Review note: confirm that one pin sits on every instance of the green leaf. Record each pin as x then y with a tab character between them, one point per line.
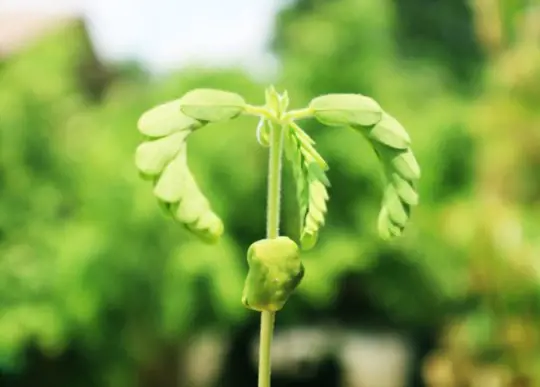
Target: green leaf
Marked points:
151	157
406	165
395	208
311	183
387	229
405	190
390	133
346	110
402	162
165	119
391	143
193	209
164	161
275	271
263	132
169	187
212	105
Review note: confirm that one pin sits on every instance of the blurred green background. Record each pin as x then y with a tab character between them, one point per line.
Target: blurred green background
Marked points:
98	288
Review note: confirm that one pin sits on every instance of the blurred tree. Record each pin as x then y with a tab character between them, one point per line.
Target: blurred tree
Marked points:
88	262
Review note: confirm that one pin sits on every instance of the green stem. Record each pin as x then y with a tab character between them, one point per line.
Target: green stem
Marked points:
298	114
272	231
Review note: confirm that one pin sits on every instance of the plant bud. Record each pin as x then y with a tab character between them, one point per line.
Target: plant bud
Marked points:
275	270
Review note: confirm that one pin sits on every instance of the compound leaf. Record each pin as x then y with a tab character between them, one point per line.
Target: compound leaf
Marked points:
311	182
164	161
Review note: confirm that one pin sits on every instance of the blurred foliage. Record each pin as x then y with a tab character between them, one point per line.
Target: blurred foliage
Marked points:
89	264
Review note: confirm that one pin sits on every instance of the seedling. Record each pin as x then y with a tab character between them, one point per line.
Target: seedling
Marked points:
275	267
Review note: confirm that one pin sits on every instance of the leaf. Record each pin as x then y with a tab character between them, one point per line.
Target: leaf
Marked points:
263	132
151	157
169	187
164	161
406	165
311	182
391	142
387	229
346	110
390	132
212	105
405	189
194	211
165	119
396	209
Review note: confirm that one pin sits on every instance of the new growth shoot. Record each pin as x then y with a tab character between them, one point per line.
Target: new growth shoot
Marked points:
275	267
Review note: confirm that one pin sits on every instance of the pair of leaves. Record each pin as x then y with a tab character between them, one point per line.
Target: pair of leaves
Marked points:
309	172
162	158
392	146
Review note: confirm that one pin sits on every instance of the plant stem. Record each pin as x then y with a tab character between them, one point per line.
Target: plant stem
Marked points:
272	231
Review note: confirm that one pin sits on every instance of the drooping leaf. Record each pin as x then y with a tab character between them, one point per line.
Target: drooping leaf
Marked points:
401	171
392	145
163	159
346	110
192	208
212	105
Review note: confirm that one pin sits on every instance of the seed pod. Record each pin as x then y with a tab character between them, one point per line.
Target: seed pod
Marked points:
166	119
275	270
211	105
346	110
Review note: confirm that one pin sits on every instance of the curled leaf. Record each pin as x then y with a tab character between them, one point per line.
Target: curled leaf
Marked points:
311	183
212	105
400	193
401	170
346	110
275	271
164	161
263	132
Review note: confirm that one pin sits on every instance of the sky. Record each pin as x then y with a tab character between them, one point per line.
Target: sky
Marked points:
166	34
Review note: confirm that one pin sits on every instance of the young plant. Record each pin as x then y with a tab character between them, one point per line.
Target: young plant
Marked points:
275	267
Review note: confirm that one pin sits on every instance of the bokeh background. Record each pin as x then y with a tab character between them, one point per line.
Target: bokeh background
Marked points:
98	288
